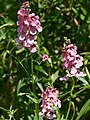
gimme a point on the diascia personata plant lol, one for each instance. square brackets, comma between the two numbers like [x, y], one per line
[28, 25]
[44, 79]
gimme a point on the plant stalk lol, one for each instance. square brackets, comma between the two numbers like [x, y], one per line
[33, 84]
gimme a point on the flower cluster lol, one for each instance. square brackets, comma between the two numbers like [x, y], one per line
[49, 102]
[45, 57]
[28, 25]
[72, 61]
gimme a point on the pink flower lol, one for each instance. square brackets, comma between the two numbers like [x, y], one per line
[73, 71]
[49, 102]
[72, 61]
[78, 61]
[44, 57]
[65, 78]
[50, 114]
[79, 74]
[28, 25]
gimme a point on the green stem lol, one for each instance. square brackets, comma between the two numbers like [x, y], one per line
[73, 85]
[87, 87]
[33, 84]
[68, 110]
[70, 103]
[73, 111]
[19, 62]
[32, 66]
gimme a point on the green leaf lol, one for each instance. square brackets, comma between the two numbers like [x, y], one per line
[54, 76]
[84, 109]
[32, 99]
[37, 117]
[88, 21]
[45, 50]
[1, 108]
[20, 50]
[21, 94]
[50, 61]
[85, 53]
[64, 94]
[2, 34]
[82, 16]
[68, 27]
[74, 10]
[40, 68]
[40, 118]
[29, 118]
[40, 86]
[83, 80]
[87, 72]
[20, 85]
[10, 23]
[83, 10]
[4, 58]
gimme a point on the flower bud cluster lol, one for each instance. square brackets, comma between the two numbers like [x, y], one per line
[72, 61]
[28, 25]
[49, 102]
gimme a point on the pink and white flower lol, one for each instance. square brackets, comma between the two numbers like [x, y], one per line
[49, 102]
[28, 25]
[72, 61]
[45, 57]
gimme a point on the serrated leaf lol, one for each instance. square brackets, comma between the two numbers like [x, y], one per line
[84, 109]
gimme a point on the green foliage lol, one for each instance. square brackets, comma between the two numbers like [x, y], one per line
[59, 19]
[84, 109]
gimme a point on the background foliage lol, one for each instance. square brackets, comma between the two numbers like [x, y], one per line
[59, 18]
